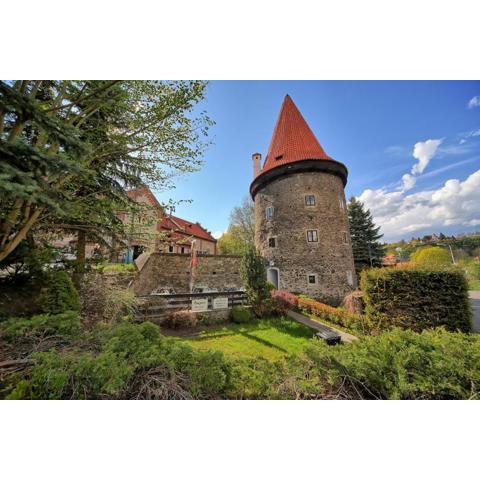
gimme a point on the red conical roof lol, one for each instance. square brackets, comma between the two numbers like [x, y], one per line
[292, 139]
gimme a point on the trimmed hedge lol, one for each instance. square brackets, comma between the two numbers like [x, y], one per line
[337, 316]
[417, 298]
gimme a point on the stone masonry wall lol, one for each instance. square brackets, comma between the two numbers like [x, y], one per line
[331, 258]
[172, 270]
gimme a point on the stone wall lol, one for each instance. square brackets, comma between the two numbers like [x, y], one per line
[172, 270]
[330, 258]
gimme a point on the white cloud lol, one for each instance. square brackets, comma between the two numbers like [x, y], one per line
[408, 182]
[474, 102]
[217, 234]
[455, 203]
[424, 152]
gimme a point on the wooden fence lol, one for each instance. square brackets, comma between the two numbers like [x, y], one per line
[157, 307]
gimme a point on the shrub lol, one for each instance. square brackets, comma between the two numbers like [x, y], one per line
[416, 298]
[253, 274]
[431, 257]
[135, 361]
[337, 316]
[73, 374]
[241, 314]
[398, 364]
[119, 302]
[59, 294]
[66, 323]
[103, 302]
[260, 379]
[283, 301]
[181, 319]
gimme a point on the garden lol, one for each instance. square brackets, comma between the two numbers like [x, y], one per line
[80, 345]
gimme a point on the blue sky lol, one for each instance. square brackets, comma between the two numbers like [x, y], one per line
[374, 127]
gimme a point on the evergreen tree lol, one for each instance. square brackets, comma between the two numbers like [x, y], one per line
[68, 150]
[367, 251]
[252, 270]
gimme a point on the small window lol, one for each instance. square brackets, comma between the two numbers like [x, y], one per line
[182, 249]
[312, 278]
[170, 249]
[272, 242]
[341, 204]
[278, 157]
[350, 278]
[309, 200]
[312, 236]
[269, 212]
[345, 237]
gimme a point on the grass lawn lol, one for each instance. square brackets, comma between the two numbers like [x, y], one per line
[474, 284]
[272, 339]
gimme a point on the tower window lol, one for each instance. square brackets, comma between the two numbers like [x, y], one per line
[312, 235]
[312, 278]
[350, 278]
[341, 204]
[309, 200]
[278, 157]
[269, 212]
[272, 242]
[345, 237]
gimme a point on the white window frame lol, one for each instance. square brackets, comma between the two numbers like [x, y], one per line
[267, 210]
[312, 275]
[310, 204]
[341, 203]
[316, 236]
[350, 278]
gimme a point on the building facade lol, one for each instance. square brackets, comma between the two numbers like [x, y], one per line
[153, 230]
[301, 220]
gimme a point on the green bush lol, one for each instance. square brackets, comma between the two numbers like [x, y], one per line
[241, 314]
[254, 277]
[134, 361]
[59, 294]
[416, 298]
[399, 364]
[431, 257]
[259, 379]
[66, 324]
[77, 375]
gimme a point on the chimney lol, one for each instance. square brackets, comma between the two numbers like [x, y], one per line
[257, 160]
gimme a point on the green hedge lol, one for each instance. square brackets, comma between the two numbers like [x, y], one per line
[417, 298]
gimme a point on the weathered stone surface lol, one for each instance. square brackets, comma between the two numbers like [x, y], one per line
[172, 270]
[330, 258]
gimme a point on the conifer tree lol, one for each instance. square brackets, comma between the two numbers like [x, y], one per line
[367, 250]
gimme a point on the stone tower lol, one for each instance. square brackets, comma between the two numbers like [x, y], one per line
[301, 221]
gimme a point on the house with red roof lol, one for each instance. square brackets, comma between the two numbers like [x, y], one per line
[156, 230]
